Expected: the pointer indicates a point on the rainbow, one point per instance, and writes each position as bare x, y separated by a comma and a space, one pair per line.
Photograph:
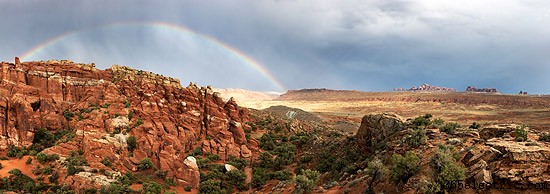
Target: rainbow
232, 50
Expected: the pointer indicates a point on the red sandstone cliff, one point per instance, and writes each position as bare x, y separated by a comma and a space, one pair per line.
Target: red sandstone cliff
174, 119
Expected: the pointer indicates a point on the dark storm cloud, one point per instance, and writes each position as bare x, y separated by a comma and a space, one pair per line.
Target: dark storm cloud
348, 44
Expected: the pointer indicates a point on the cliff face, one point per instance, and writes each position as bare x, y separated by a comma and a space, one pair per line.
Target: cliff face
104, 107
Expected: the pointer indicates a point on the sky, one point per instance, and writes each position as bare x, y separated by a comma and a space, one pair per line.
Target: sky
276, 45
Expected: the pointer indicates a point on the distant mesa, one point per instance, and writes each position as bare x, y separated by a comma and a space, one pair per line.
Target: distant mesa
481, 90
426, 88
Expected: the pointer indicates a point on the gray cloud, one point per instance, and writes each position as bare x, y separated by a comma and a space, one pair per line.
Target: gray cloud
347, 44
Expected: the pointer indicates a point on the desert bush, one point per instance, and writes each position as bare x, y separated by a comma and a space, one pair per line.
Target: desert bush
417, 138
306, 181
131, 143
422, 120
212, 157
68, 115
259, 177
521, 134
428, 187
438, 122
145, 163
237, 178
187, 188
211, 187
105, 161
43, 158
151, 188
474, 125
447, 168
377, 171
449, 127
115, 188
544, 137
72, 170
404, 167
239, 163
53, 177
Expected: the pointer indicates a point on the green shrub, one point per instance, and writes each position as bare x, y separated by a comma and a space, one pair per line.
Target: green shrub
417, 138
438, 122
105, 161
213, 157
422, 120
145, 163
404, 167
259, 177
474, 125
377, 171
29, 160
76, 160
211, 187
131, 142
544, 137
151, 188
237, 178
521, 134
428, 187
72, 170
447, 168
68, 115
43, 158
126, 104
239, 163
187, 188
115, 188
449, 127
161, 173
306, 181
54, 177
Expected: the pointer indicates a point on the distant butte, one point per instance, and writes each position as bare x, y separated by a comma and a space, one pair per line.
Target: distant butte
427, 88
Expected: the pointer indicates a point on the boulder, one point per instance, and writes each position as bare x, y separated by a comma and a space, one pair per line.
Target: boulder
375, 130
229, 167
495, 131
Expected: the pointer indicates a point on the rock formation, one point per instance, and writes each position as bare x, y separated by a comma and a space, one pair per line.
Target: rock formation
104, 107
375, 130
482, 90
427, 88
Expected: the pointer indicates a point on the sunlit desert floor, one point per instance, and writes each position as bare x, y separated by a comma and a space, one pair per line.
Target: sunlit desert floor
537, 117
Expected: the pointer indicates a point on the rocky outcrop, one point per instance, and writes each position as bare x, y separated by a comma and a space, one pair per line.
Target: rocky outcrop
503, 159
427, 88
104, 107
375, 130
483, 90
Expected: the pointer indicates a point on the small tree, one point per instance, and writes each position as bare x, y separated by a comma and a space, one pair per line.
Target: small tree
449, 127
445, 162
422, 120
152, 188
377, 171
404, 167
145, 163
132, 144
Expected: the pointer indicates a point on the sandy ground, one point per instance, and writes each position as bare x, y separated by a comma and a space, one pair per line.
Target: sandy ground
14, 163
